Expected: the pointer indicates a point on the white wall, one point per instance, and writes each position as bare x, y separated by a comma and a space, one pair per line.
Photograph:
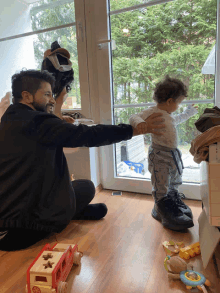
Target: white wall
83, 163
94, 166
18, 53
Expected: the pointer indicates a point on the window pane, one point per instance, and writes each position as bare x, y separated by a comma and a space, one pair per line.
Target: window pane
43, 14
115, 4
15, 18
175, 38
186, 133
49, 13
28, 52
15, 55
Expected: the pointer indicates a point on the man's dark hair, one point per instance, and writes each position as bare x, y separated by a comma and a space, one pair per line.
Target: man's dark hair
30, 81
169, 88
63, 79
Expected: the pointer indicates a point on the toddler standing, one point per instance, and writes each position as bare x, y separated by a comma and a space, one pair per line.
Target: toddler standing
164, 158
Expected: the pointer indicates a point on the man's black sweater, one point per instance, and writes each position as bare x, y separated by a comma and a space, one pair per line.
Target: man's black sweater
35, 188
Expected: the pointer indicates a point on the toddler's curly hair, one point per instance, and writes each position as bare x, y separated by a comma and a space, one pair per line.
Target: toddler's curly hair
169, 88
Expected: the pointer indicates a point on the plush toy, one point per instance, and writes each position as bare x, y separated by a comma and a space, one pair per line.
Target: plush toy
178, 269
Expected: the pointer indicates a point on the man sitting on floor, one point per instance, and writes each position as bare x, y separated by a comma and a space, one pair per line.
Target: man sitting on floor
37, 196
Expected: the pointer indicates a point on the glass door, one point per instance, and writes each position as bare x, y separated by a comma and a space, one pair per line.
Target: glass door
154, 38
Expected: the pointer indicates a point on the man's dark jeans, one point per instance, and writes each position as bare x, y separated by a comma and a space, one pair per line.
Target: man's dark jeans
17, 239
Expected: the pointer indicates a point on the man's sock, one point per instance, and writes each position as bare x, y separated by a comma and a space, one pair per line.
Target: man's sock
95, 211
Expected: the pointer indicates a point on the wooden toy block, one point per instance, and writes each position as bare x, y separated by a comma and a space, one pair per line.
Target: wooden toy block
190, 251
62, 246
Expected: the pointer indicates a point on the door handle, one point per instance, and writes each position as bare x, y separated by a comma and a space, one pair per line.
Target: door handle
102, 43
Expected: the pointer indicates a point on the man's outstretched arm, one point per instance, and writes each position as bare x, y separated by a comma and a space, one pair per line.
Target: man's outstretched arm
151, 125
50, 130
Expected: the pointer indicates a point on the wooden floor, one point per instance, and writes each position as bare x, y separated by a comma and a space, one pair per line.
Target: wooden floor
122, 253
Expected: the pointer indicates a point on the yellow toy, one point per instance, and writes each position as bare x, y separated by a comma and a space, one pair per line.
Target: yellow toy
171, 248
190, 251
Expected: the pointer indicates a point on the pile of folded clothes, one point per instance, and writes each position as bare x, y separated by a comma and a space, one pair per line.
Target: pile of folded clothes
209, 125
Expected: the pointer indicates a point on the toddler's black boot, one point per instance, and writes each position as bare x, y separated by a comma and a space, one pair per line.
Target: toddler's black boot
168, 213
177, 197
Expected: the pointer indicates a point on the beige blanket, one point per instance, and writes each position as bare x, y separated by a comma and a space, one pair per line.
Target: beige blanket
200, 145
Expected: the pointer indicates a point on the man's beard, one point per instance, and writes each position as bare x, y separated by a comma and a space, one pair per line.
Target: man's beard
48, 108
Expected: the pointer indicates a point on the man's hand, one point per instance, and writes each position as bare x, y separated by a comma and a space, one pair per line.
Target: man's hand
68, 119
154, 122
142, 128
4, 104
151, 124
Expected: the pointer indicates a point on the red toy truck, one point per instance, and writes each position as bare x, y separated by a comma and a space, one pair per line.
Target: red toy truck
48, 272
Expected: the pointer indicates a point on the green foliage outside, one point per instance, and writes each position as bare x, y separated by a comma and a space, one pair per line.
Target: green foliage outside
173, 38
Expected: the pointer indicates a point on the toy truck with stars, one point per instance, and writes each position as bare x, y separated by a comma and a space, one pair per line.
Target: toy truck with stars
50, 269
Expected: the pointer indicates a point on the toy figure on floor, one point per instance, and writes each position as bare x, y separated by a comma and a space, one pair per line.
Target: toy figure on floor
178, 269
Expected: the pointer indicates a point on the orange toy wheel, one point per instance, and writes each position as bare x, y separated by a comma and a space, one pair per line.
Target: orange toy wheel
36, 289
62, 287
